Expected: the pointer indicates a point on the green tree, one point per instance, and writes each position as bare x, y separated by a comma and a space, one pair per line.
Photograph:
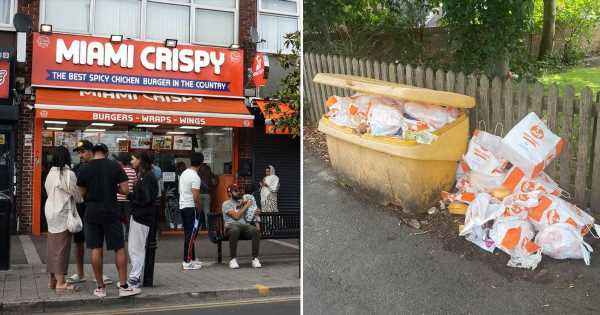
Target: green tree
487, 33
289, 89
547, 42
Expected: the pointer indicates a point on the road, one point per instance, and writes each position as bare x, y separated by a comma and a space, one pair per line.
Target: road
272, 306
358, 259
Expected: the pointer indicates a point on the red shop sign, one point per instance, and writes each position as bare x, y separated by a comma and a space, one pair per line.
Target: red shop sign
4, 79
260, 69
94, 63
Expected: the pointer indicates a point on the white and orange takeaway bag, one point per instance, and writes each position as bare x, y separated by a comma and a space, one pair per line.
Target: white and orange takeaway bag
515, 237
553, 210
563, 241
531, 145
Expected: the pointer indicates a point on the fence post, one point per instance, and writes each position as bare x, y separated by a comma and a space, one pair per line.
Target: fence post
484, 102
552, 106
509, 108
450, 81
595, 194
496, 106
565, 133
429, 77
583, 148
410, 75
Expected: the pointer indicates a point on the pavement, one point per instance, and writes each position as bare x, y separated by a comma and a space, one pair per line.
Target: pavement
23, 289
359, 259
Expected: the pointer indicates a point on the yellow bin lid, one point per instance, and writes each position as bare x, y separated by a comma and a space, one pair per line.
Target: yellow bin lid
395, 90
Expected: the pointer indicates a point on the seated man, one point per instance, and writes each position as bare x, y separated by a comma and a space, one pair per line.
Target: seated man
234, 212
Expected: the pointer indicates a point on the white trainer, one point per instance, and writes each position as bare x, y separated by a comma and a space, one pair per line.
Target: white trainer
100, 292
130, 291
197, 262
190, 266
256, 263
233, 264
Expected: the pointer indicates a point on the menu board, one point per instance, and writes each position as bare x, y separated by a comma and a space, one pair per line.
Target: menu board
162, 143
47, 138
92, 137
123, 145
182, 143
140, 140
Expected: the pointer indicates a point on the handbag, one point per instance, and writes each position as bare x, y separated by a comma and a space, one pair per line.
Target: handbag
74, 223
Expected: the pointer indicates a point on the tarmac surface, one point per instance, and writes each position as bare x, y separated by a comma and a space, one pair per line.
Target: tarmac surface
359, 259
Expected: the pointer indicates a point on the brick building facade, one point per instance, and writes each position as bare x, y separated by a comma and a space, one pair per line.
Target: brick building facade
25, 161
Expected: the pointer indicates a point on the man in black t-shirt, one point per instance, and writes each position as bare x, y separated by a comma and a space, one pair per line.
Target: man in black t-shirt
99, 181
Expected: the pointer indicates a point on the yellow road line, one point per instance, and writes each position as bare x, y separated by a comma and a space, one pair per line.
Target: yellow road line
191, 306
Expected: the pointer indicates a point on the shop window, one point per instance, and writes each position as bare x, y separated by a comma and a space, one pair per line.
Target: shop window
275, 19
214, 27
208, 22
118, 17
216, 145
167, 21
77, 11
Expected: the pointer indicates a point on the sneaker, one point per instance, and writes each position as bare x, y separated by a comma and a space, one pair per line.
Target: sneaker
100, 292
233, 264
190, 266
129, 291
256, 263
172, 226
75, 278
106, 279
134, 283
197, 262
179, 226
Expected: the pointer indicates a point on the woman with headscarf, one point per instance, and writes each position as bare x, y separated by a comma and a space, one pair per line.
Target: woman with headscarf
63, 194
268, 190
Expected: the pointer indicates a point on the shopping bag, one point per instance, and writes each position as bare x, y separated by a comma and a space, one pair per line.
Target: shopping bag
384, 120
74, 223
562, 241
434, 115
480, 159
515, 237
552, 210
517, 181
531, 145
480, 211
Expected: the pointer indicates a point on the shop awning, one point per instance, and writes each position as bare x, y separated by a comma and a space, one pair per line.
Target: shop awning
141, 108
269, 127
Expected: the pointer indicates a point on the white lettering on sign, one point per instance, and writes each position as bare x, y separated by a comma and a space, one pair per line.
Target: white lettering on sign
152, 58
112, 117
192, 121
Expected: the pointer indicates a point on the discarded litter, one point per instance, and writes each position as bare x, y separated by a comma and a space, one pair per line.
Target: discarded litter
511, 204
382, 116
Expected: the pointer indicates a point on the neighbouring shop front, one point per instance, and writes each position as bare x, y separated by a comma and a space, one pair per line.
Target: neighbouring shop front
136, 95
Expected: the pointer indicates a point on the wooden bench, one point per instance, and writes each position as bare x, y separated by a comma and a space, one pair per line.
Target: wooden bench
273, 225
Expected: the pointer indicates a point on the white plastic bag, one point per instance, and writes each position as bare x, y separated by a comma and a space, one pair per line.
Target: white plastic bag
531, 145
515, 237
74, 223
339, 111
487, 140
384, 120
480, 236
562, 241
434, 115
553, 210
480, 211
516, 181
485, 182
481, 159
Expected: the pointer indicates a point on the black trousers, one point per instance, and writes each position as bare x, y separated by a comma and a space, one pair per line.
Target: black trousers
188, 216
244, 231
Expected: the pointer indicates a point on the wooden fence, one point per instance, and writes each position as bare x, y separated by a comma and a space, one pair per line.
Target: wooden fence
499, 102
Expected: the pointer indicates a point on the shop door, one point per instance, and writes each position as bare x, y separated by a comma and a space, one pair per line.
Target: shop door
7, 158
283, 152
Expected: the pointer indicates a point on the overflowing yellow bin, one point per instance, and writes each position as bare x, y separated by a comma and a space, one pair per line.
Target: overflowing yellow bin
392, 170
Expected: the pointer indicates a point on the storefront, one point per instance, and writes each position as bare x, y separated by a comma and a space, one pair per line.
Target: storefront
137, 95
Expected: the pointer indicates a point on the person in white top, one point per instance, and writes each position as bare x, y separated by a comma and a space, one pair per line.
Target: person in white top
190, 206
63, 194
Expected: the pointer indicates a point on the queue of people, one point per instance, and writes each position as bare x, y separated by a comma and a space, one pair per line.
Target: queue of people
117, 200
